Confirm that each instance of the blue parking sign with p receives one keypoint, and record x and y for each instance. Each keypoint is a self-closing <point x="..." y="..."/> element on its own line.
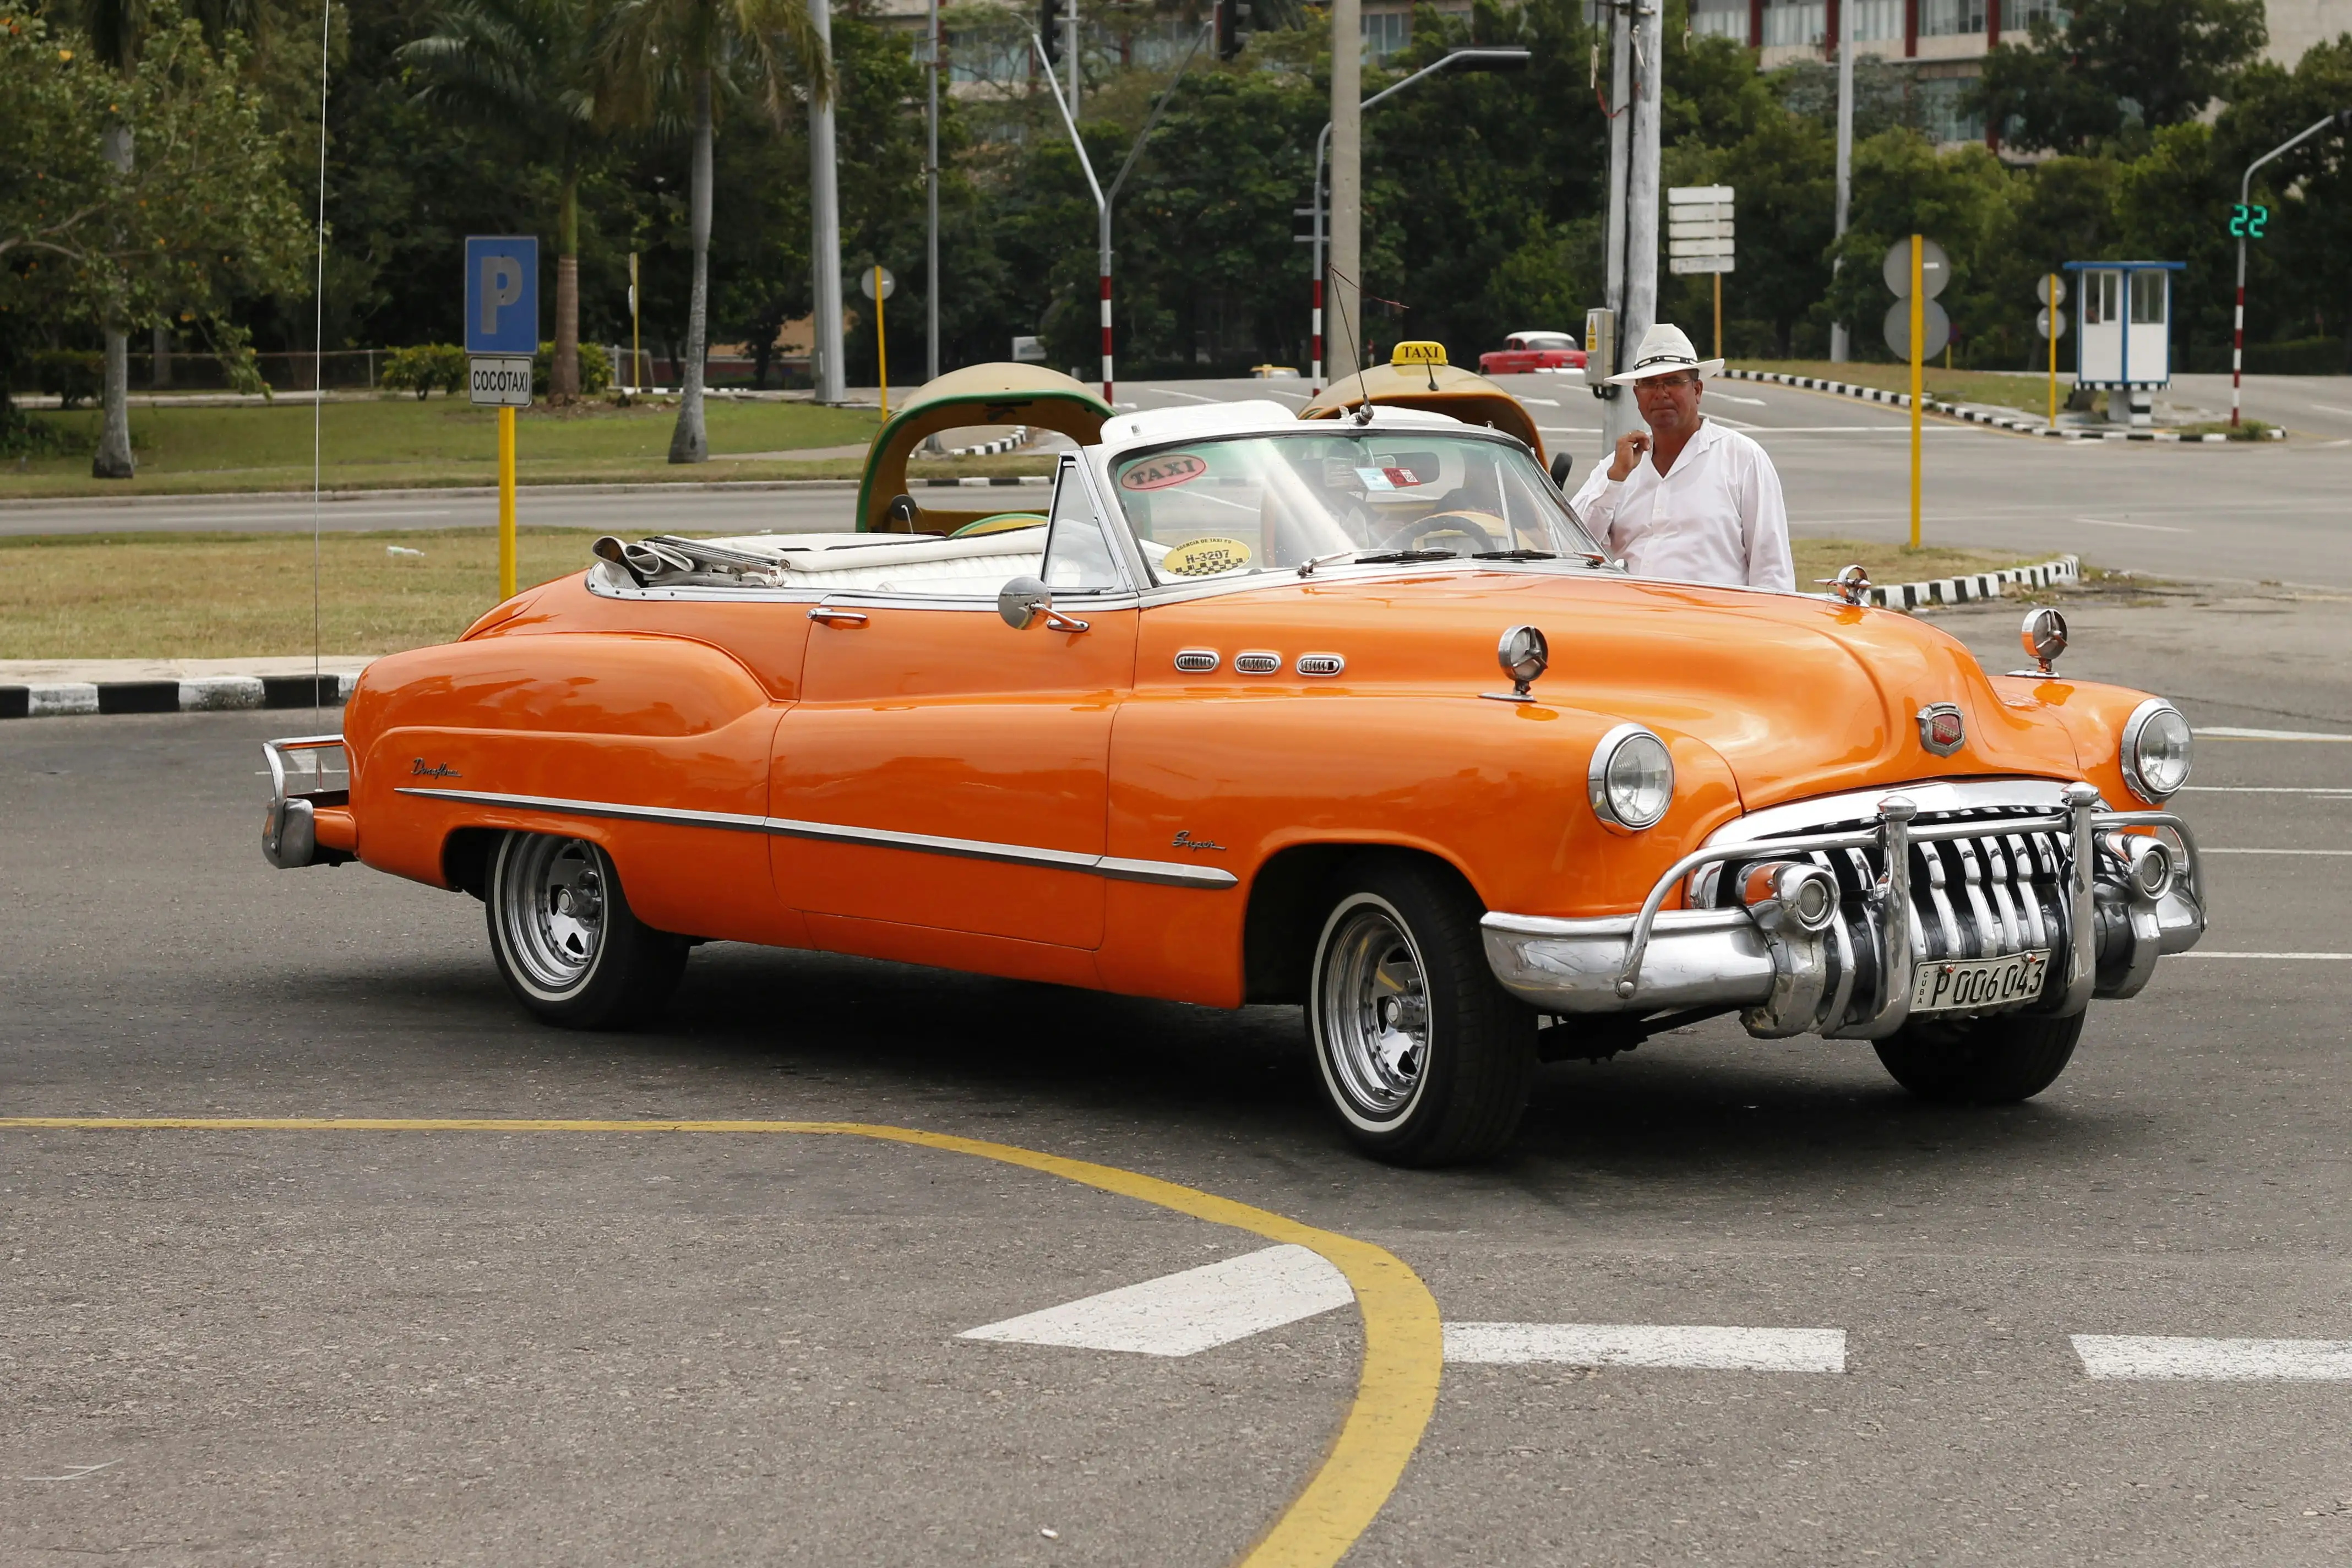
<point x="501" y="294"/>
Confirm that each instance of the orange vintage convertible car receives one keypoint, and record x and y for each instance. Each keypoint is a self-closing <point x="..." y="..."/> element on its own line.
<point x="1226" y="726"/>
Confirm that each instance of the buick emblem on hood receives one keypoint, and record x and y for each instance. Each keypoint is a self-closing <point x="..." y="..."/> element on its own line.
<point x="1941" y="730"/>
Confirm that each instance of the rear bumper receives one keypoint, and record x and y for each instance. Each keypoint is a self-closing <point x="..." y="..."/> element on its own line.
<point x="1854" y="978"/>
<point x="306" y="826"/>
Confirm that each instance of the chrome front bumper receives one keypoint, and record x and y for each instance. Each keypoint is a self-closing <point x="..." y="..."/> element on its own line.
<point x="1853" y="979"/>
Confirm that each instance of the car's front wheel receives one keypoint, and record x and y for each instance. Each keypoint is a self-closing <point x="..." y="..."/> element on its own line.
<point x="1998" y="1060"/>
<point x="566" y="942"/>
<point x="1425" y="1058"/>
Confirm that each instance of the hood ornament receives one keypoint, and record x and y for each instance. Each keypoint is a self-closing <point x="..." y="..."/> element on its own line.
<point x="1852" y="585"/>
<point x="1941" y="728"/>
<point x="2044" y="636"/>
<point x="1524" y="653"/>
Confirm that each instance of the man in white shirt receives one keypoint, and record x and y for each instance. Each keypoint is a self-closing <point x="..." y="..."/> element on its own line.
<point x="1705" y="506"/>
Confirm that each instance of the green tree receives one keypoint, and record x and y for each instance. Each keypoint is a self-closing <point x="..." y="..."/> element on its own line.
<point x="665" y="51"/>
<point x="532" y="68"/>
<point x="180" y="206"/>
<point x="2165" y="60"/>
<point x="1903" y="186"/>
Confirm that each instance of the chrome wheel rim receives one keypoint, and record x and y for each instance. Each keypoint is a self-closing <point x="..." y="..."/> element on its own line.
<point x="552" y="894"/>
<point x="1374" y="1012"/>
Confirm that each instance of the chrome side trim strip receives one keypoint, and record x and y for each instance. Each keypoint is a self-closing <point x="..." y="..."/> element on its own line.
<point x="1162" y="873"/>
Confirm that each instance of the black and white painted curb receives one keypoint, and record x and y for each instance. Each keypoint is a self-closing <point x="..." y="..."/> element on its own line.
<point x="2022" y="426"/>
<point x="976" y="482"/>
<point x="1977" y="585"/>
<point x="1013" y="443"/>
<point x="196" y="694"/>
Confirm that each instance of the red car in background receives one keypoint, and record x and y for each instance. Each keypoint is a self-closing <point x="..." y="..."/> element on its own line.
<point x="1524" y="351"/>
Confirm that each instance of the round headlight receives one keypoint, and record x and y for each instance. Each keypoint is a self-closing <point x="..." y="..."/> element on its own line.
<point x="2155" y="750"/>
<point x="1631" y="777"/>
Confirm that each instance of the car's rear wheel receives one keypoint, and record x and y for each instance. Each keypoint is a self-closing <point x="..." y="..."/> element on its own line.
<point x="1424" y="1057"/>
<point x="1998" y="1060"/>
<point x="566" y="942"/>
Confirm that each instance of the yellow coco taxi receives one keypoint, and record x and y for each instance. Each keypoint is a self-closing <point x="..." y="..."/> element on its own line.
<point x="1224" y="725"/>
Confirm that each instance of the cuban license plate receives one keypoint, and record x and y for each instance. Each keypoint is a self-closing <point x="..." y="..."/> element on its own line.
<point x="1961" y="984"/>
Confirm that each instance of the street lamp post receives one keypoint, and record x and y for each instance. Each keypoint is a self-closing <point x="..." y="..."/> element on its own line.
<point x="2342" y="117"/>
<point x="1102" y="199"/>
<point x="1469" y="59"/>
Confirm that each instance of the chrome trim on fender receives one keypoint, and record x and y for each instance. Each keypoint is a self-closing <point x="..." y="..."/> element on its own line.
<point x="1117" y="868"/>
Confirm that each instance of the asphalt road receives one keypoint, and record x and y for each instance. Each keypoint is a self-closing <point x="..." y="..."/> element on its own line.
<point x="2252" y="512"/>
<point x="579" y="1347"/>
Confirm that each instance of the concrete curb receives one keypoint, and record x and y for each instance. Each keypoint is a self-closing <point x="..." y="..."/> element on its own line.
<point x="1977" y="585"/>
<point x="196" y="694"/>
<point x="1013" y="443"/>
<point x="2022" y="426"/>
<point x="983" y="482"/>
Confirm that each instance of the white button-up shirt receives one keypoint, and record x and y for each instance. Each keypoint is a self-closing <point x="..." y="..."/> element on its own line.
<point x="1716" y="517"/>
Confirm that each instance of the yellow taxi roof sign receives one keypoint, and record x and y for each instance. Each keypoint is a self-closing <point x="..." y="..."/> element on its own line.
<point x="1419" y="351"/>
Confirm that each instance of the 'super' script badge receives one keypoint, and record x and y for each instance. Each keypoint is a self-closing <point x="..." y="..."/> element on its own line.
<point x="1205" y="557"/>
<point x="1159" y="473"/>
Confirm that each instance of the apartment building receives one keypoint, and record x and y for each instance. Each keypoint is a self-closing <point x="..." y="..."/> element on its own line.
<point x="1946" y="40"/>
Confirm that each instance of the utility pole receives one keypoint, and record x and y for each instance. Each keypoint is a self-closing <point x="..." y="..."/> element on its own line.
<point x="1617" y="413"/>
<point x="1343" y="315"/>
<point x="825" y="215"/>
<point x="1071" y="21"/>
<point x="931" y="178"/>
<point x="1638" y="313"/>
<point x="2341" y="118"/>
<point x="1838" y="344"/>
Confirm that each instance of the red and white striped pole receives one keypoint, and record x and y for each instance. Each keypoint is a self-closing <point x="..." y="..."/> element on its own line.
<point x="2238" y="339"/>
<point x="1315" y="385"/>
<point x="1106" y="331"/>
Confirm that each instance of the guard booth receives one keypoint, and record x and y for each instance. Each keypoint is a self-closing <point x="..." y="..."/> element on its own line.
<point x="2123" y="341"/>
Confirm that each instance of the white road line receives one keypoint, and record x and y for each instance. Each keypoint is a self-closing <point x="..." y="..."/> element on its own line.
<point x="1186" y="1313"/>
<point x="1727" y="419"/>
<point x="1547" y="402"/>
<point x="1726" y="397"/>
<point x="1298" y="395"/>
<point x="2336" y="957"/>
<point x="2265" y="789"/>
<point x="2275" y="851"/>
<point x="1172" y="392"/>
<point x="1571" y="429"/>
<point x="2226" y="732"/>
<point x="1647" y="1345"/>
<point x="2142" y="527"/>
<point x="2328" y="409"/>
<point x="2222" y="1360"/>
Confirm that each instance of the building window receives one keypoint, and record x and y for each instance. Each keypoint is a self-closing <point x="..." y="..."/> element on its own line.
<point x="1874" y="19"/>
<point x="1949" y="18"/>
<point x="1803" y="25"/>
<point x="1720" y="19"/>
<point x="2147" y="296"/>
<point x="1385" y="33"/>
<point x="2019" y="15"/>
<point x="1941" y="118"/>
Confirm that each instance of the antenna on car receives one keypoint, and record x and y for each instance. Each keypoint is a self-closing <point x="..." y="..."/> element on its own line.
<point x="1363" y="413"/>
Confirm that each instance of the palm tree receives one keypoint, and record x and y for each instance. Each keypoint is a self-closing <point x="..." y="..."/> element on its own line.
<point x="533" y="66"/>
<point x="662" y="49"/>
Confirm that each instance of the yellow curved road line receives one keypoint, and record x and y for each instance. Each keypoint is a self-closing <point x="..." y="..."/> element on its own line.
<point x="1404" y="1347"/>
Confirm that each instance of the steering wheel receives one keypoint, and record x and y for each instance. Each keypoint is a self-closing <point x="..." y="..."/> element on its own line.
<point x="1471" y="524"/>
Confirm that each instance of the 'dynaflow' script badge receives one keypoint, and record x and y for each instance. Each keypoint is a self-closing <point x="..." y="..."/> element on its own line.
<point x="422" y="768"/>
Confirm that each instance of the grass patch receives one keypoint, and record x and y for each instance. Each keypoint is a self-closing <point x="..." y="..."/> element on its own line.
<point x="2245" y="430"/>
<point x="1822" y="558"/>
<point x="401" y="442"/>
<point x="229" y="596"/>
<point x="2029" y="394"/>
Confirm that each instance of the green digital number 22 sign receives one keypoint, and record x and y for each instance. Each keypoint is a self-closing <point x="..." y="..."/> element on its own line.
<point x="2248" y="221"/>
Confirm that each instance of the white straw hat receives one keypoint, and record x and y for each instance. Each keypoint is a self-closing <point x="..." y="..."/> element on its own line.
<point x="1665" y="349"/>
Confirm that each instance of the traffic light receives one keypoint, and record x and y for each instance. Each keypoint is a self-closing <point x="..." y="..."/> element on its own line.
<point x="1049" y="29"/>
<point x="1232" y="34"/>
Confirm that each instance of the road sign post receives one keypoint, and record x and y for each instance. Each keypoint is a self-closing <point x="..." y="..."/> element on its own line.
<point x="1917" y="270"/>
<point x="2052" y="324"/>
<point x="501" y="337"/>
<point x="879" y="285"/>
<point x="1699" y="238"/>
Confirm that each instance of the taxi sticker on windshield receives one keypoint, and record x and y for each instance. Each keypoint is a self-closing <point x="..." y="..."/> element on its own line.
<point x="1205" y="557"/>
<point x="1159" y="473"/>
<point x="1388" y="479"/>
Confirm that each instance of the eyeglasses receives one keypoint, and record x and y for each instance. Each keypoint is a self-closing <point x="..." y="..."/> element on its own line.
<point x="1666" y="382"/>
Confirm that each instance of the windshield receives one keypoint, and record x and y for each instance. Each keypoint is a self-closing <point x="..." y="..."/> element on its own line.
<point x="1549" y="341"/>
<point x="1260" y="503"/>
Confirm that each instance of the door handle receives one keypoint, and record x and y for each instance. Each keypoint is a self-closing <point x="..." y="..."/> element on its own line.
<point x="825" y="614"/>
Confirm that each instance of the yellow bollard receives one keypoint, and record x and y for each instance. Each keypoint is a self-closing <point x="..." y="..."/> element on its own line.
<point x="506" y="505"/>
<point x="1918" y="337"/>
<point x="881" y="344"/>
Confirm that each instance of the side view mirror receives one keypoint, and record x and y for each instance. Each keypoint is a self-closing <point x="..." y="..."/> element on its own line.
<point x="1562" y="463"/>
<point x="1024" y="601"/>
